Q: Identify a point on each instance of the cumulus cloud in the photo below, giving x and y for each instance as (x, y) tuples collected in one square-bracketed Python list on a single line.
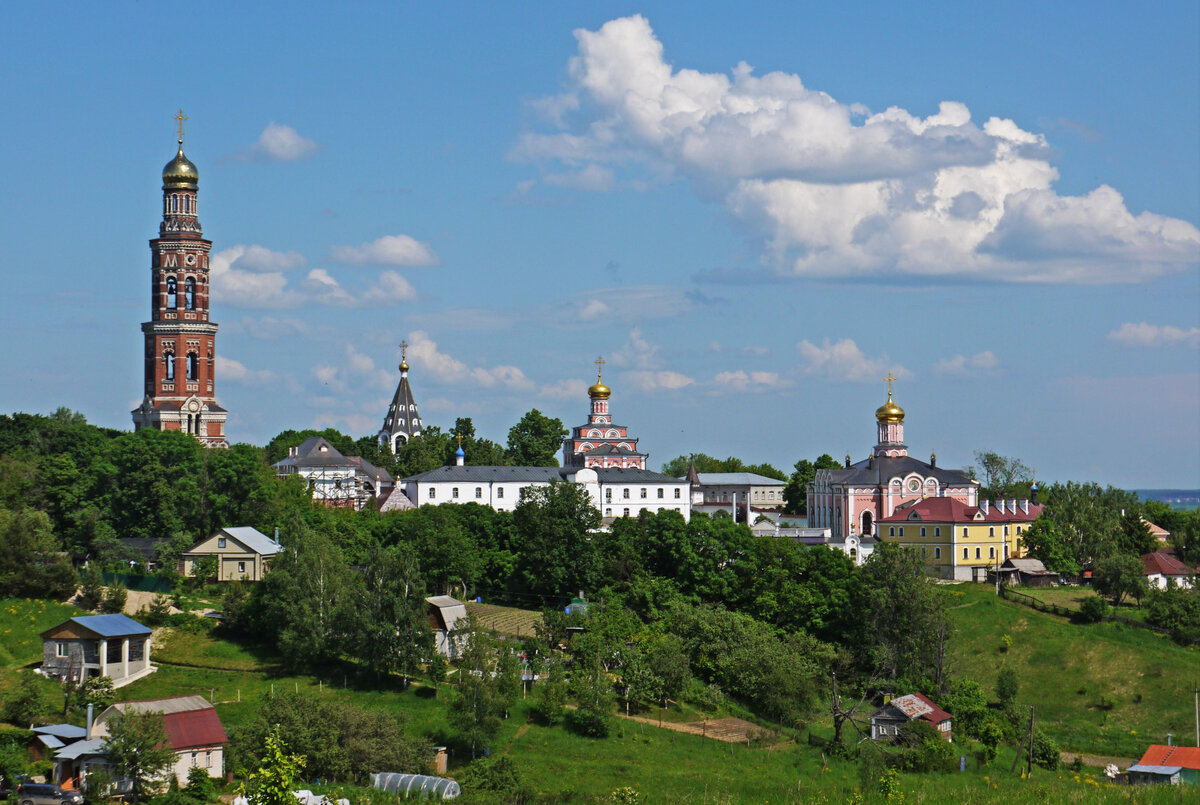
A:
[(750, 381), (389, 250), (281, 144), (423, 352), (255, 277), (661, 380), (232, 371), (570, 389), (1154, 335), (843, 360), (981, 363), (836, 190), (637, 352)]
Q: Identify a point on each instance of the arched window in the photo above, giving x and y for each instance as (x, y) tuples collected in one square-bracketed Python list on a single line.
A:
[(193, 366), (172, 300), (169, 361), (189, 293), (866, 524)]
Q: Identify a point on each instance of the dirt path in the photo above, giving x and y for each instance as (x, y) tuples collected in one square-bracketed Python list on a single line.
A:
[(730, 730), (1100, 761), (524, 728)]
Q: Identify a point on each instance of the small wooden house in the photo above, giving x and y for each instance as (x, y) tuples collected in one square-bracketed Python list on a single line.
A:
[(444, 616), (887, 720), (242, 554)]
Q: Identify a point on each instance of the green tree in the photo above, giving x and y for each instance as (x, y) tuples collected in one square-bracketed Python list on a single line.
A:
[(1087, 516), (1006, 687), (92, 590), (550, 694), (138, 751), (115, 596), (1119, 576), (535, 440), (97, 691), (200, 785), (478, 701), (1042, 540), (556, 554), (1134, 537), (1004, 477), (795, 494), (271, 783), (391, 633), (28, 704), (31, 562)]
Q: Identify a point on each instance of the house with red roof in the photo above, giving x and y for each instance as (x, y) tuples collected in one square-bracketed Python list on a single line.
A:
[(1167, 764), (194, 731), (887, 720), (1163, 567), (957, 540)]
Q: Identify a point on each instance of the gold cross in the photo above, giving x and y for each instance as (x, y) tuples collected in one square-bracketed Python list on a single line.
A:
[(599, 366), (890, 380), (459, 437), (403, 349), (180, 116)]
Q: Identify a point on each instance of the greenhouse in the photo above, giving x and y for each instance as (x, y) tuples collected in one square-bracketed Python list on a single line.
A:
[(421, 784)]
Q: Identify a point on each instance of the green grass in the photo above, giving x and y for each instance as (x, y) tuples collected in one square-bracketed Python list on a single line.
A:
[(204, 650), (1072, 597), (506, 620), (22, 620), (1105, 688)]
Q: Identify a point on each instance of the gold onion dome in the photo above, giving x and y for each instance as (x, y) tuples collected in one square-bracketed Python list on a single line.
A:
[(180, 173), (889, 411), (599, 390), (403, 365)]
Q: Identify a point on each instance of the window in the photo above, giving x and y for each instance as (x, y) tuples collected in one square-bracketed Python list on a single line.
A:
[(660, 493), (432, 493), (891, 531), (608, 495), (991, 553), (937, 530), (136, 653), (608, 512), (208, 759), (677, 494), (195, 758), (964, 553), (1018, 529), (1006, 531), (643, 493), (454, 493), (193, 366), (977, 553), (189, 293), (60, 649), (499, 491), (221, 542), (478, 492), (902, 531), (964, 531), (169, 360), (991, 531), (625, 494), (937, 552), (172, 293), (241, 567), (625, 513), (922, 531)]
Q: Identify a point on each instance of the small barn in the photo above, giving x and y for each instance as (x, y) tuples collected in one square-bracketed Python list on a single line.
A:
[(887, 720), (1027, 572), (444, 616), (1167, 764)]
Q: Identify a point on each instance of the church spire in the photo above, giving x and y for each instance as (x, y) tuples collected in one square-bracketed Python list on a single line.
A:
[(889, 418), (402, 421)]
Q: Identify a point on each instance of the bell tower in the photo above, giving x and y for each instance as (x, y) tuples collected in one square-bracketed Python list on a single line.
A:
[(889, 418), (180, 341)]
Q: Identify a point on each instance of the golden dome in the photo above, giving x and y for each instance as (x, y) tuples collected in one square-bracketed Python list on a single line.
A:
[(180, 173), (403, 365), (889, 411), (599, 390)]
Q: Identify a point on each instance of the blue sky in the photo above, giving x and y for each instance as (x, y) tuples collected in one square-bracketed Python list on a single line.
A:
[(753, 211)]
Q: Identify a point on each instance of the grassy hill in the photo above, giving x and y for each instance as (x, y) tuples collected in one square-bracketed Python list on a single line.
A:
[(1103, 688)]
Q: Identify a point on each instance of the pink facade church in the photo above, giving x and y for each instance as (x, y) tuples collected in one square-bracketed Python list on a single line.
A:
[(849, 501), (600, 444)]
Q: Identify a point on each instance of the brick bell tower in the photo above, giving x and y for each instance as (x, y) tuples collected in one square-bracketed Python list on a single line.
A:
[(180, 340)]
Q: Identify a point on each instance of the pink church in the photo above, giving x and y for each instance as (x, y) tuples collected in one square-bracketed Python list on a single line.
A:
[(850, 500), (600, 444)]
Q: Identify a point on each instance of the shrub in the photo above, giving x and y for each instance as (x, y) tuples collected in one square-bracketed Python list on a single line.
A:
[(500, 777), (1045, 750), (1006, 687), (549, 697), (1093, 609), (92, 589), (114, 598)]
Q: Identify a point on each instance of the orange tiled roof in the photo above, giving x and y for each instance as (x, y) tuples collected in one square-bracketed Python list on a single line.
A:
[(1187, 757)]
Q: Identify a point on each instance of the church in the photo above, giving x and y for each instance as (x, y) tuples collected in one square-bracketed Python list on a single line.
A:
[(180, 340), (851, 500)]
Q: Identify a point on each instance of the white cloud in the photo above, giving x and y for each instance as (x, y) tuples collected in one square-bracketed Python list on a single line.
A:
[(593, 178), (836, 191), (1154, 335), (740, 380), (267, 286), (637, 352), (389, 250), (662, 380), (592, 310), (268, 327), (570, 389), (981, 363), (232, 371), (629, 304), (423, 352), (282, 144), (755, 349), (843, 360)]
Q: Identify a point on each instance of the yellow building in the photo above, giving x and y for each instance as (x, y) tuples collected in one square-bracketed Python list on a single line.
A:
[(959, 541)]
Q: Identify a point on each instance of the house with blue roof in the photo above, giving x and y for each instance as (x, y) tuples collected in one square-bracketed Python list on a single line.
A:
[(115, 646)]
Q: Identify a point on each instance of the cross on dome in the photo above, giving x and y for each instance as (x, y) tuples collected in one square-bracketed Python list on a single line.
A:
[(180, 116)]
